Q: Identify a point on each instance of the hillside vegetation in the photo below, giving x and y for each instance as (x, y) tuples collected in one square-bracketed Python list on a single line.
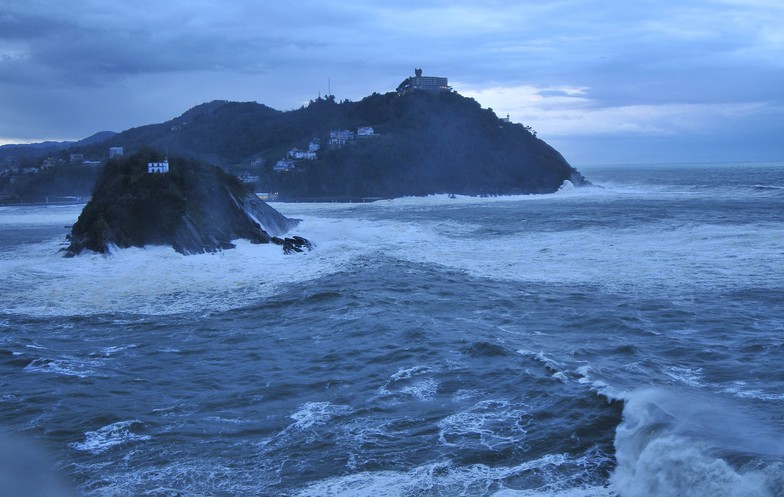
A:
[(424, 143)]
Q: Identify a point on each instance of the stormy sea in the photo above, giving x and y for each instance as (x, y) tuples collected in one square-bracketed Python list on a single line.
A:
[(624, 339)]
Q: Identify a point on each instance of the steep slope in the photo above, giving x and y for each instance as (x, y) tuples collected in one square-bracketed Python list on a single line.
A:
[(193, 208), (427, 143), (423, 143)]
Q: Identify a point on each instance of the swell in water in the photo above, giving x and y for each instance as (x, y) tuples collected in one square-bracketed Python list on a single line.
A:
[(575, 344), (157, 280)]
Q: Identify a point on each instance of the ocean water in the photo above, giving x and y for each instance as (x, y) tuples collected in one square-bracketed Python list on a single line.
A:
[(625, 339)]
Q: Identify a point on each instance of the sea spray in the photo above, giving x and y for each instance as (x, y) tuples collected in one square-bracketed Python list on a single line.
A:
[(668, 445)]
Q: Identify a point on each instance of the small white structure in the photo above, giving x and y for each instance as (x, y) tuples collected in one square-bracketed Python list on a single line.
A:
[(158, 167), (341, 134), (365, 131), (339, 137), (283, 165), (314, 145), (115, 152), (298, 154), (248, 178)]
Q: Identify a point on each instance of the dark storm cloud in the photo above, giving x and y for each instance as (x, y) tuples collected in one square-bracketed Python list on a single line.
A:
[(642, 69)]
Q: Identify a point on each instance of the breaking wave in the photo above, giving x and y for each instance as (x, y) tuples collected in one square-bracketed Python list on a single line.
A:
[(688, 444)]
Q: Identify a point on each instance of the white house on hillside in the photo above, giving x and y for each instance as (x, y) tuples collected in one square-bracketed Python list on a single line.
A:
[(283, 165), (158, 167), (339, 137), (298, 154)]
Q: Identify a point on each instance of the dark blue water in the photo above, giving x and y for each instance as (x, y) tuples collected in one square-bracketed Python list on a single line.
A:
[(619, 340)]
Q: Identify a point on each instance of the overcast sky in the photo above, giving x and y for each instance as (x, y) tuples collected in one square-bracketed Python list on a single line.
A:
[(602, 81)]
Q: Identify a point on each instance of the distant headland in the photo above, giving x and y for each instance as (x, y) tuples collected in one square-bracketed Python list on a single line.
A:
[(423, 138)]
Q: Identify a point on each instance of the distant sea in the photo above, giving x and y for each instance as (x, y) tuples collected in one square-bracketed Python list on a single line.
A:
[(621, 339)]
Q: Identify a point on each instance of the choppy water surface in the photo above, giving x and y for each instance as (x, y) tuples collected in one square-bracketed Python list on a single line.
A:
[(619, 340)]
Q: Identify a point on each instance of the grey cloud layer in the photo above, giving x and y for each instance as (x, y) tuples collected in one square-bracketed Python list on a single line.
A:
[(57, 58)]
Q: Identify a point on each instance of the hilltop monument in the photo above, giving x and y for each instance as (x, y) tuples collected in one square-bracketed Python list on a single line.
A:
[(417, 82)]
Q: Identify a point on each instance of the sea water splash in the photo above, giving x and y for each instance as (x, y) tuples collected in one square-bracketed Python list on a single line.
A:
[(103, 439), (678, 443)]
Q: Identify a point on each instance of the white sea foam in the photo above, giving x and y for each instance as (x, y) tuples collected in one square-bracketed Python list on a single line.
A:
[(407, 373), (157, 280), (677, 254), (688, 376), (316, 413), (743, 390), (112, 350), (66, 366), (570, 492), (421, 390), (103, 439), (490, 423), (308, 419), (408, 383), (446, 478)]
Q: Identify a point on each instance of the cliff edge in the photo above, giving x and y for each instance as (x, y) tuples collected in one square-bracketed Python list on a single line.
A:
[(191, 206)]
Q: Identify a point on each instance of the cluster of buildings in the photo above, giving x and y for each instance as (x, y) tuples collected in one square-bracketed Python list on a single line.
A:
[(12, 169), (337, 139), (340, 137), (295, 154)]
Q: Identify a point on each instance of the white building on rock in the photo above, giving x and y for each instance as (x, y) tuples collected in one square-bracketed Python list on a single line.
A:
[(158, 167)]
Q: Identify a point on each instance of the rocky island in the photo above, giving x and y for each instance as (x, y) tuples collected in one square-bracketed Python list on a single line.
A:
[(146, 199)]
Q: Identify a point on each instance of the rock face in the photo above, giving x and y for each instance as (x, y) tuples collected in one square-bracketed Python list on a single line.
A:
[(194, 208)]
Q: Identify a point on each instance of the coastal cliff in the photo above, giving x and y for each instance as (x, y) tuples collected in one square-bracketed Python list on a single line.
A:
[(193, 208)]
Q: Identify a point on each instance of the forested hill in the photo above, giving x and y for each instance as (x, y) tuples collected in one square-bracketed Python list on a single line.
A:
[(422, 143)]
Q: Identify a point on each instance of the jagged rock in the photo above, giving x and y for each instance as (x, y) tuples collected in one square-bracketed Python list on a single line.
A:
[(194, 208), (293, 244)]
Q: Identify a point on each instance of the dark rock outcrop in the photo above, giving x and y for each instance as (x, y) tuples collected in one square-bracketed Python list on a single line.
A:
[(194, 208)]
